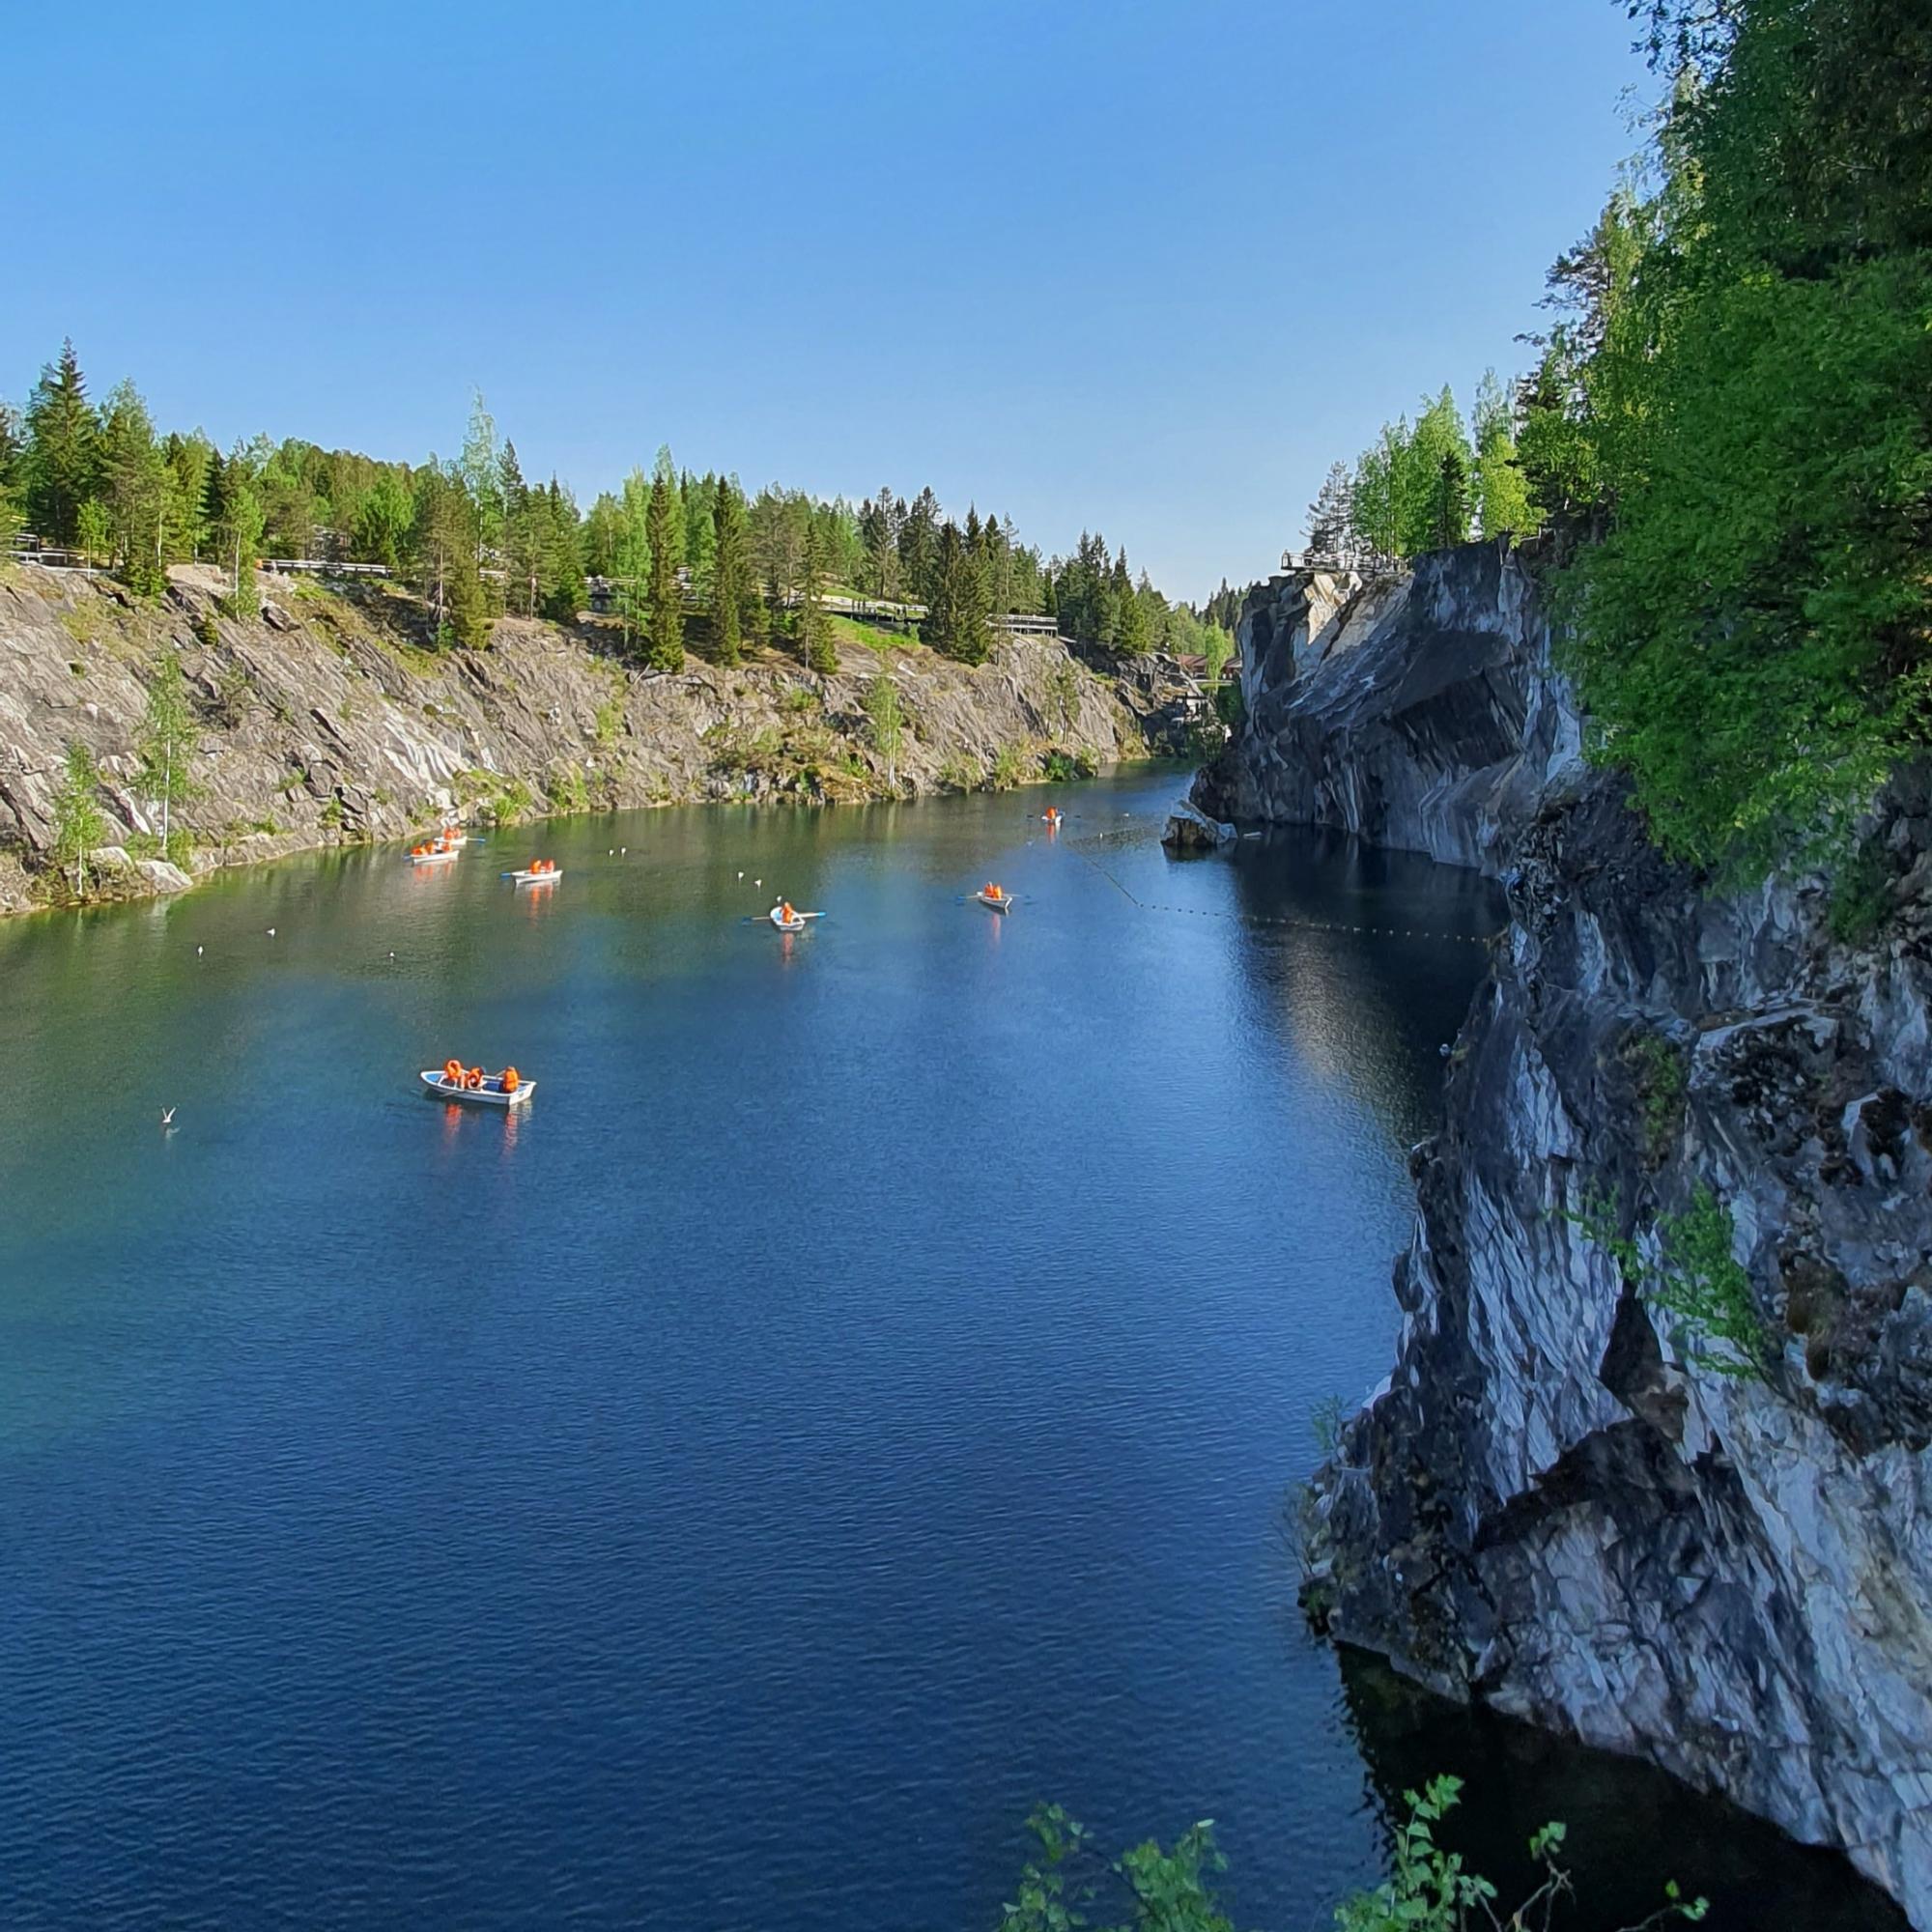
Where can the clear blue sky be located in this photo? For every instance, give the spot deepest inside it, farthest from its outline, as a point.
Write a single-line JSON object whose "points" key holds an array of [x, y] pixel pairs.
{"points": [[1148, 269]]}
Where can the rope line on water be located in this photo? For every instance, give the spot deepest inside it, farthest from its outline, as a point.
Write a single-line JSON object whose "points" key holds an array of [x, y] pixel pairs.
{"points": [[1268, 918]]}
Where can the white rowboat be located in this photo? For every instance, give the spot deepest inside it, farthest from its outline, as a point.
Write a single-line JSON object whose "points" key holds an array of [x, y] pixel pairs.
{"points": [[1003, 903], [431, 857], [489, 1095], [526, 877]]}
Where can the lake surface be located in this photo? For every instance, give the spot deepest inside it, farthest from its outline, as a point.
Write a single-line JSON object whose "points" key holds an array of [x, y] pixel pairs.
{"points": [[853, 1405]]}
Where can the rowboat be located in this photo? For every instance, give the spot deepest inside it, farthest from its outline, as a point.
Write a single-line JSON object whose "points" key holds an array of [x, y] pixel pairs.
{"points": [[526, 877], [795, 923], [432, 857], [489, 1095], [1003, 903]]}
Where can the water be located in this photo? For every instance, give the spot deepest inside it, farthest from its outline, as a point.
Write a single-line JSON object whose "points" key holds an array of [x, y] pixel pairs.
{"points": [[853, 1405]]}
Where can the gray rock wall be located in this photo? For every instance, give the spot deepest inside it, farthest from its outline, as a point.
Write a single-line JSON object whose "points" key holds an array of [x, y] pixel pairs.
{"points": [[320, 722], [1418, 712], [1558, 1501]]}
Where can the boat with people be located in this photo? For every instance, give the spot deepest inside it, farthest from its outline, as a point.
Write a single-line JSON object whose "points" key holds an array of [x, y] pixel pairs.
{"points": [[445, 846], [786, 919], [538, 873], [996, 897], [1053, 817], [453, 1081]]}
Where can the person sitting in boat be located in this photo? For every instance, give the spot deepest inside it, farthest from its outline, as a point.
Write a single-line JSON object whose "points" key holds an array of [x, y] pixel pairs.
{"points": [[785, 914], [994, 892]]}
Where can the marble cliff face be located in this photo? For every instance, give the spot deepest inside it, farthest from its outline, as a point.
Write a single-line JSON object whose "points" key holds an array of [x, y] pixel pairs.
{"points": [[1565, 1498]]}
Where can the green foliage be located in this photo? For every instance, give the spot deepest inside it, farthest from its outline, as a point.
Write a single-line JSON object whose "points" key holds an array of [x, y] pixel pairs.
{"points": [[512, 800], [795, 700], [1411, 489], [1062, 767], [730, 572], [78, 826], [164, 746], [1694, 1280], [665, 642], [1430, 1891], [1660, 1078], [62, 462], [955, 619], [886, 715], [1741, 398], [816, 643], [566, 790], [1009, 768], [610, 720], [1161, 1890], [1859, 905]]}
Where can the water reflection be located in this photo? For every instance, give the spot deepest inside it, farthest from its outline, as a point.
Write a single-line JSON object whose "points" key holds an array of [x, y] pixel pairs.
{"points": [[1629, 1825]]}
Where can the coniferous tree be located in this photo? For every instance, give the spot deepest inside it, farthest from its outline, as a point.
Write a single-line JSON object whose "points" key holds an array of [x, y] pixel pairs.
{"points": [[1331, 532], [237, 520], [1450, 510], [665, 637], [956, 611], [134, 490], [562, 586], [445, 543], [919, 546], [730, 571], [816, 643], [886, 717], [524, 521], [63, 459]]}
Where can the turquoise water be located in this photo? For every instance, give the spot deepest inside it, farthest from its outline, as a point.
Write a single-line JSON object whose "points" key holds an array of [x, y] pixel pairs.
{"points": [[853, 1403]]}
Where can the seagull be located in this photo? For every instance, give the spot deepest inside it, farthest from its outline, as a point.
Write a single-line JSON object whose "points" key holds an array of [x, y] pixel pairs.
{"points": [[741, 875], [272, 932], [197, 952], [756, 882], [167, 1116]]}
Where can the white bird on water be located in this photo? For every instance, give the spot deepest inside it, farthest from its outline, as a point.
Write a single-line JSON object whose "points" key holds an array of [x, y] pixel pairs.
{"points": [[272, 932], [167, 1116], [197, 952]]}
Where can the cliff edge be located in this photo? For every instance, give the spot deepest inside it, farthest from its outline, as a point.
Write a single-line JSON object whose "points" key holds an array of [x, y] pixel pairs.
{"points": [[1652, 1465]]}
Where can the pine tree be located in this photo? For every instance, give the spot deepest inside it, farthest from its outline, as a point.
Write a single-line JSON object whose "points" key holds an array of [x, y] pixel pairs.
{"points": [[814, 628], [1331, 533], [665, 639], [919, 547], [730, 571], [444, 542], [134, 490], [1450, 511], [524, 518], [560, 585], [956, 611], [63, 463]]}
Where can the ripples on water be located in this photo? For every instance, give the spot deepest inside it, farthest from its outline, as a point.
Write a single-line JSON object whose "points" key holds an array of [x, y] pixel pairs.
{"points": [[853, 1405]]}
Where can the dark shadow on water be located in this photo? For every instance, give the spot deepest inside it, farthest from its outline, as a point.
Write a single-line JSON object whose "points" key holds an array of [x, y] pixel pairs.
{"points": [[1629, 1825]]}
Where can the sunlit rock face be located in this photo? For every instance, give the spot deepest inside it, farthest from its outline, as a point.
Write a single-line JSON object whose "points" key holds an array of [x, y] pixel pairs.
{"points": [[1418, 712], [1558, 1501]]}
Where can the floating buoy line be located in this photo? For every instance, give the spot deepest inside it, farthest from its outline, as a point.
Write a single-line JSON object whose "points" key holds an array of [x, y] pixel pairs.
{"points": [[1293, 923]]}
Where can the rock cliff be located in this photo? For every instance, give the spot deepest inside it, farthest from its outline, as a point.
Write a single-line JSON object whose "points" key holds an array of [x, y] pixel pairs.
{"points": [[322, 721], [1417, 713], [1652, 1465]]}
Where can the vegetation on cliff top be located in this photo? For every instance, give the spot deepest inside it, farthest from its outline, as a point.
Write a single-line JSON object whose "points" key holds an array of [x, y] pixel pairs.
{"points": [[476, 539], [1731, 419]]}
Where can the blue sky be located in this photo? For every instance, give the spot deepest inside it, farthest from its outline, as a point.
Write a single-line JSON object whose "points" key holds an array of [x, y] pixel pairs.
{"points": [[1148, 269]]}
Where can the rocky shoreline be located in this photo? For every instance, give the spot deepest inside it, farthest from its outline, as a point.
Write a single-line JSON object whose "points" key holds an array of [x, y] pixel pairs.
{"points": [[1653, 1467], [324, 721]]}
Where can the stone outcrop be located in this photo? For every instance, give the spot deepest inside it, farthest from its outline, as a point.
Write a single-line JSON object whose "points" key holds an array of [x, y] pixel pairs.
{"points": [[322, 721], [1652, 1466], [1188, 829], [1418, 712]]}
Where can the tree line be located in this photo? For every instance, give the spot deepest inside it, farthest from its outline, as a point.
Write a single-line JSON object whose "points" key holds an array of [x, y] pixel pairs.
{"points": [[477, 539], [1427, 483], [1727, 432]]}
